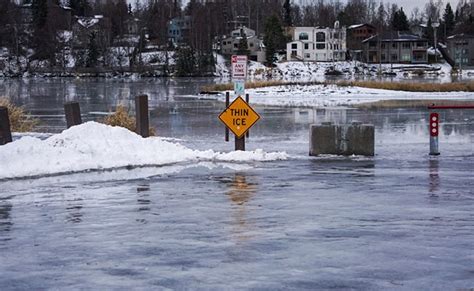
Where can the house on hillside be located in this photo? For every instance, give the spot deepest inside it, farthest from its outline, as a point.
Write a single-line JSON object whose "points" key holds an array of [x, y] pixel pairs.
{"points": [[355, 35], [84, 27], [461, 49], [396, 47], [230, 44], [317, 44], [179, 30]]}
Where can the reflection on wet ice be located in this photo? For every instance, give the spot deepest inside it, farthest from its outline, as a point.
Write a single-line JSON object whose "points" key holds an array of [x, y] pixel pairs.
{"points": [[434, 177], [240, 192], [5, 218], [74, 210]]}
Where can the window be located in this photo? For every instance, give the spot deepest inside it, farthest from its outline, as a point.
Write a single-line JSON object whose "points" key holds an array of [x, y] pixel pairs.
{"points": [[383, 57], [372, 44], [306, 46], [320, 37], [224, 43], [320, 46], [303, 36], [294, 46], [406, 58], [394, 45], [307, 56], [382, 45], [336, 35], [236, 45], [394, 57], [406, 45], [336, 46], [251, 44]]}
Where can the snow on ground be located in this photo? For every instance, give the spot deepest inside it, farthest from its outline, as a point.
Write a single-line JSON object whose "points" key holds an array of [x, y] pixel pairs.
{"points": [[95, 146], [333, 95]]}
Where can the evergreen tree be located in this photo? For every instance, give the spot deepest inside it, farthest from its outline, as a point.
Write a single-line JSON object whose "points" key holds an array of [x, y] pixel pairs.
{"points": [[92, 51], [287, 13], [40, 12], [243, 48], [80, 7], [448, 19], [185, 62], [400, 21], [274, 38]]}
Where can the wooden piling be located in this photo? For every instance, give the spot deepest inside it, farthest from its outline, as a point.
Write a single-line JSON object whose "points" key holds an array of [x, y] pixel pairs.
{"points": [[5, 130], [240, 143], [227, 102], [142, 116], [73, 113]]}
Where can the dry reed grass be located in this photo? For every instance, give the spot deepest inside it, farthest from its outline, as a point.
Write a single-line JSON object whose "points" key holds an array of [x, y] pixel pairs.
{"points": [[121, 117], [19, 120], [410, 87]]}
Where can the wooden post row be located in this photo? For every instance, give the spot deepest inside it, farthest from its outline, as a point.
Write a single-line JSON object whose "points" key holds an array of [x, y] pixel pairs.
{"points": [[73, 113], [5, 130], [142, 116]]}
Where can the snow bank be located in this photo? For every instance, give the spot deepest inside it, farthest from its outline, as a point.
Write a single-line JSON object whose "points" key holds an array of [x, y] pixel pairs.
{"points": [[94, 146], [333, 95]]}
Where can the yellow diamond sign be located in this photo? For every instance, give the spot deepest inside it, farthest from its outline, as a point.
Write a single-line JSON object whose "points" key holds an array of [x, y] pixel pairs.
{"points": [[239, 117]]}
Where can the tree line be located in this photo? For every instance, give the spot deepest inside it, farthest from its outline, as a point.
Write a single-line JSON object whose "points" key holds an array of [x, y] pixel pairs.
{"points": [[210, 20]]}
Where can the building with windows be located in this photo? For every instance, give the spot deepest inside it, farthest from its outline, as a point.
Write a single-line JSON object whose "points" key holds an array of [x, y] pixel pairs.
{"points": [[355, 35], [230, 44], [461, 49], [178, 29], [317, 44], [395, 47]]}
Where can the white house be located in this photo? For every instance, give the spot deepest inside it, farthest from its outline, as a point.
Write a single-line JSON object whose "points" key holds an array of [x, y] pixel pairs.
{"points": [[317, 44], [230, 44]]}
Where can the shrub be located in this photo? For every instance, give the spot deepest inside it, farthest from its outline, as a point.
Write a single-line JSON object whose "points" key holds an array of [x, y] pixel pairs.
{"points": [[122, 118], [19, 120]]}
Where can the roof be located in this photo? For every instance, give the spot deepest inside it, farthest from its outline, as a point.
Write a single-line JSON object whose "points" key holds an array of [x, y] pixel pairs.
{"points": [[87, 22], [461, 36], [354, 26], [394, 36]]}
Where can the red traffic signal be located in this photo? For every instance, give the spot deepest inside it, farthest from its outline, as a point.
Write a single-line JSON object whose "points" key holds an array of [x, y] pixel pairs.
{"points": [[434, 124]]}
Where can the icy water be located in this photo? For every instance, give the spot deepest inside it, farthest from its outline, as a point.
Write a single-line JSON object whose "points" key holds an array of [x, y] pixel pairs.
{"points": [[401, 220]]}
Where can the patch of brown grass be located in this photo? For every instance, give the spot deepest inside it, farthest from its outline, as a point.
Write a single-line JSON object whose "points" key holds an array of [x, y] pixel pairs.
{"points": [[412, 87], [19, 120], [121, 117], [254, 85], [405, 86]]}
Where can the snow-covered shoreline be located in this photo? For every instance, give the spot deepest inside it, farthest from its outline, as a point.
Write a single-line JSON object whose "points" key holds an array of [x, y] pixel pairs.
{"points": [[96, 147], [334, 95]]}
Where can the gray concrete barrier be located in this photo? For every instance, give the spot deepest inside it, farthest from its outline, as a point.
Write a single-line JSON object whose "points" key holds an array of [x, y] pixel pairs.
{"points": [[353, 139]]}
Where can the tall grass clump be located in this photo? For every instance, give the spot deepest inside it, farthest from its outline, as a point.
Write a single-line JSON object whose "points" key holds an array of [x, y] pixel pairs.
{"points": [[121, 117], [19, 120]]}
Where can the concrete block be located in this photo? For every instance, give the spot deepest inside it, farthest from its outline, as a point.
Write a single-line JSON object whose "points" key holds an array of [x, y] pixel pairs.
{"points": [[354, 139]]}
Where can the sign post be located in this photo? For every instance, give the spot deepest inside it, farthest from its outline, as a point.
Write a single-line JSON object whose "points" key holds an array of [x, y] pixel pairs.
{"points": [[239, 75], [239, 117], [434, 132]]}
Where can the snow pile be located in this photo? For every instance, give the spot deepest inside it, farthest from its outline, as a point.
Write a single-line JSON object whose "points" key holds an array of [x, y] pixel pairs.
{"points": [[94, 146], [333, 95]]}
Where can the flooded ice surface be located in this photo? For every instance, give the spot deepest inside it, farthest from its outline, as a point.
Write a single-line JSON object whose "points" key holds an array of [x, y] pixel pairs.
{"points": [[400, 220]]}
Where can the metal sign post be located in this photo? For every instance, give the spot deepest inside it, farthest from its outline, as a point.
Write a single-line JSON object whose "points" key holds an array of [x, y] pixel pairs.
{"points": [[434, 132], [239, 75]]}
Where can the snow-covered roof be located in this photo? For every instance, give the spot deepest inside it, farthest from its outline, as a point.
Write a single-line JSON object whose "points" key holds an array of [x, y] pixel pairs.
{"points": [[395, 36], [461, 35], [355, 26], [87, 22]]}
